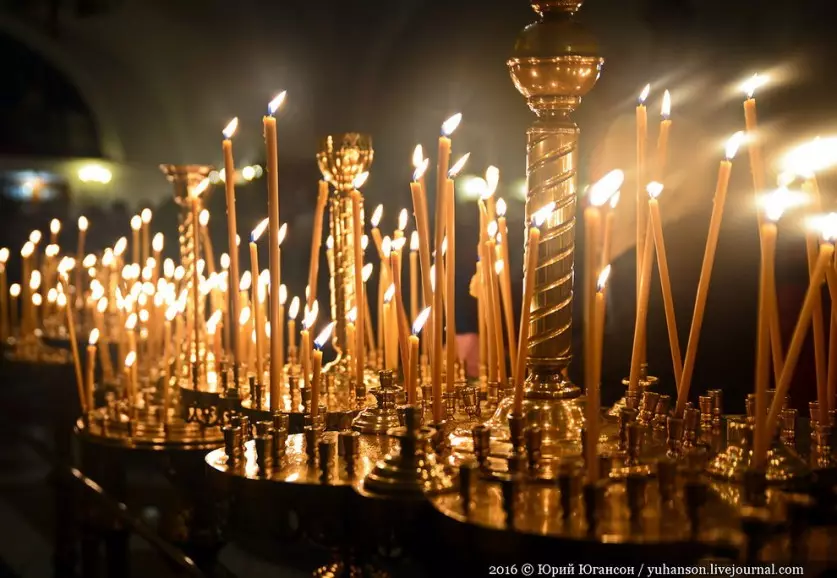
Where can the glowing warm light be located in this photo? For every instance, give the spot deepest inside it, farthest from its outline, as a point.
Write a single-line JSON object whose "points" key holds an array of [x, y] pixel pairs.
{"points": [[179, 273], [541, 215], [603, 277], [66, 264], [389, 293], [414, 241], [168, 268], [4, 255], [277, 101], [421, 169], [246, 281], [665, 111], [445, 245], [61, 301], [146, 216], [492, 179], [249, 173], [131, 322], [351, 316], [83, 223], [458, 166], [386, 246], [492, 229], [52, 295], [200, 188], [420, 320], [330, 242], [264, 279], [614, 200], [119, 247], [643, 96], [260, 228], [130, 359], [450, 124], [35, 280], [418, 156], [283, 230], [402, 219], [35, 237], [311, 316], [498, 266], [360, 180], [230, 129], [501, 207], [27, 250], [654, 189], [603, 189], [136, 223], [203, 219], [37, 300], [283, 291], [776, 203], [102, 305], [14, 290], [367, 272], [828, 226], [225, 261], [753, 83], [364, 242], [293, 310], [322, 338], [95, 173], [244, 316], [733, 144], [89, 261], [54, 226], [143, 316], [811, 157], [157, 243]]}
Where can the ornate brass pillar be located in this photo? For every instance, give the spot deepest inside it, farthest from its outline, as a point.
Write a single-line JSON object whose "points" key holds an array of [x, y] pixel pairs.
{"points": [[555, 64], [341, 158]]}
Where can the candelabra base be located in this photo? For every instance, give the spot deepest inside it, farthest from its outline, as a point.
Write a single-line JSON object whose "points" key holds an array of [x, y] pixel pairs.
{"points": [[645, 383]]}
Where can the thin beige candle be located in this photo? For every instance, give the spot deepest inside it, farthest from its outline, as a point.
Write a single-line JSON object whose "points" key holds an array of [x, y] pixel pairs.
{"points": [[450, 272], [83, 224], [592, 225], [146, 235], [357, 227], [607, 236], [640, 326], [706, 271], [257, 310], [400, 312], [14, 294], [641, 199], [167, 365], [414, 246], [491, 328], [317, 357], [663, 137], [768, 251], [71, 328], [136, 227], [316, 240], [423, 230], [91, 368], [505, 281], [232, 234], [4, 305], [494, 288], [593, 405], [654, 190], [751, 123], [817, 326], [128, 374], [293, 310]]}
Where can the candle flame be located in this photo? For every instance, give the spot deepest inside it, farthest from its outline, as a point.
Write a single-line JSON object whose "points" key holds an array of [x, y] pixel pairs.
{"points": [[776, 203], [418, 156], [146, 216], [367, 272], [376, 216], [654, 189], [225, 261], [360, 180], [816, 155], [230, 129], [244, 316], [157, 243], [200, 188], [37, 300], [398, 244], [4, 255], [420, 320], [102, 305], [260, 228], [66, 264], [351, 316], [540, 216], [324, 335], [330, 242], [264, 279], [665, 111], [644, 94], [386, 246], [246, 281], [498, 266], [131, 322], [501, 207], [35, 237], [310, 315], [753, 83], [14, 290], [136, 223], [54, 226], [733, 144], [828, 226], [168, 268], [277, 101], [414, 242], [603, 277], [450, 124], [421, 169], [83, 223], [492, 179], [491, 229], [120, 246], [35, 280], [27, 250], [203, 219], [402, 220], [364, 242], [293, 310], [444, 245], [602, 190], [389, 293], [283, 294], [458, 166], [89, 261], [614, 200], [130, 359]]}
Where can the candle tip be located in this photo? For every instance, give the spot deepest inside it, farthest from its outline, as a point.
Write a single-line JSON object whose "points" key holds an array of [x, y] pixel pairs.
{"points": [[360, 180], [654, 189], [94, 337], [541, 215], [421, 169], [665, 110], [4, 255], [156, 243], [310, 315], [402, 220], [414, 242], [492, 179], [643, 96], [376, 216], [136, 223], [324, 335], [83, 223], [733, 144], [603, 190], [367, 272], [420, 320], [418, 156], [259, 230], [277, 101], [293, 310], [54, 226], [603, 277], [501, 207], [451, 124], [230, 129], [351, 316], [389, 293], [458, 166], [753, 83], [146, 215]]}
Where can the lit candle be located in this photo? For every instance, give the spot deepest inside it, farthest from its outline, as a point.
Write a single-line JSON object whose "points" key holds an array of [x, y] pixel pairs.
{"points": [[662, 139], [607, 237], [4, 306], [71, 328], [14, 294], [157, 247], [400, 311], [640, 326], [494, 288], [390, 347], [414, 246], [531, 263], [357, 206], [423, 230], [271, 145], [593, 404], [751, 123], [351, 319], [317, 355], [254, 269], [641, 200], [316, 239], [413, 367], [203, 220], [130, 382], [283, 299], [305, 344], [54, 229], [829, 229], [136, 226], [83, 224], [402, 224], [505, 280], [654, 190], [171, 313], [229, 181], [817, 327], [196, 300], [492, 328], [370, 335], [450, 272], [146, 234], [293, 310], [706, 271], [91, 368]]}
